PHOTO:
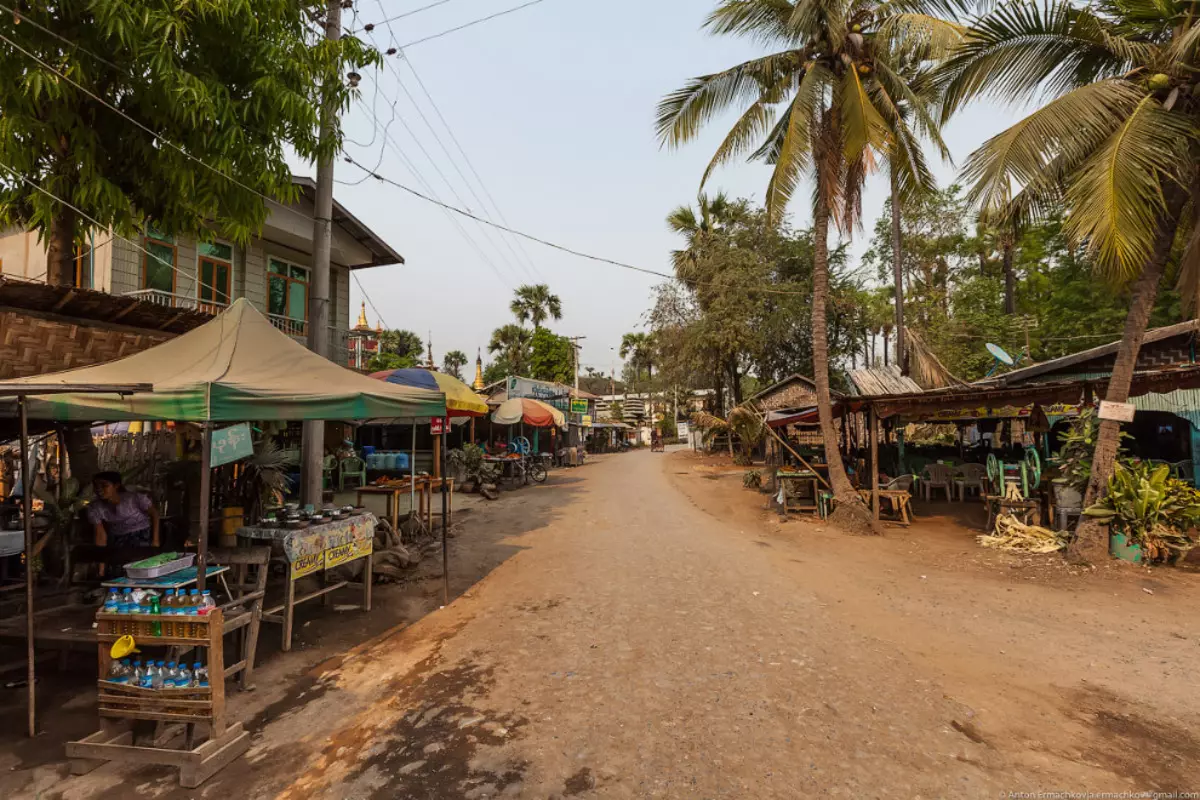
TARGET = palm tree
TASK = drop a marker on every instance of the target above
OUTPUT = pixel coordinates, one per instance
(453, 362)
(825, 104)
(638, 348)
(1114, 144)
(696, 228)
(535, 303)
(512, 344)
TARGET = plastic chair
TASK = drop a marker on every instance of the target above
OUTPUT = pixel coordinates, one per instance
(968, 477)
(937, 476)
(902, 482)
(352, 467)
(328, 464)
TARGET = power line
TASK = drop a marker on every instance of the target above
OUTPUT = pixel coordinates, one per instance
(527, 268)
(471, 24)
(532, 238)
(370, 26)
(458, 145)
(370, 302)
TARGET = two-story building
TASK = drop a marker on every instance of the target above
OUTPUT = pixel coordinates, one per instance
(273, 271)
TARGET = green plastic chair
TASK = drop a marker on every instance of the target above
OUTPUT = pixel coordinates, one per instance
(328, 465)
(352, 467)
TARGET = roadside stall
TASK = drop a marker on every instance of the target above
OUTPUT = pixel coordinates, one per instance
(234, 368)
(519, 465)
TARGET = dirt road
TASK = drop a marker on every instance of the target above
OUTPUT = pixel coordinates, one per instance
(645, 641)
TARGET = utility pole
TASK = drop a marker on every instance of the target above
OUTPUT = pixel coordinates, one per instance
(313, 441)
(576, 348)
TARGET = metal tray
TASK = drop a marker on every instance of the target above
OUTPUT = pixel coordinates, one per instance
(183, 562)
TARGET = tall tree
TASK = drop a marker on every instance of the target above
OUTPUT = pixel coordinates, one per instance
(1114, 143)
(404, 344)
(822, 104)
(551, 357)
(511, 345)
(697, 227)
(535, 303)
(227, 87)
(638, 349)
(453, 362)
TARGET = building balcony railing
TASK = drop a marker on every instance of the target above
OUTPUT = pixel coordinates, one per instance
(171, 300)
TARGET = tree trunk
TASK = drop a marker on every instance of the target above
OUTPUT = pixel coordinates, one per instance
(60, 249)
(735, 382)
(885, 348)
(897, 277)
(1090, 543)
(850, 510)
(1010, 278)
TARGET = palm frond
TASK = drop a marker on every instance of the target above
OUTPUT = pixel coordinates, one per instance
(1022, 49)
(1116, 196)
(746, 132)
(760, 20)
(920, 36)
(791, 149)
(861, 123)
(1188, 281)
(1072, 126)
(683, 112)
(827, 18)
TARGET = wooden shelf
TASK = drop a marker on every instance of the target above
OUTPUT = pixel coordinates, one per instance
(155, 641)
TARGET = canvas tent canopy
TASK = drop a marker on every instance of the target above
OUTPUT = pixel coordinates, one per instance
(236, 367)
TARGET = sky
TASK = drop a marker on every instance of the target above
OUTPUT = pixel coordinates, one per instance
(554, 107)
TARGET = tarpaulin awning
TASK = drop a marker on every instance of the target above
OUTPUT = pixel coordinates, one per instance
(461, 401)
(530, 411)
(236, 367)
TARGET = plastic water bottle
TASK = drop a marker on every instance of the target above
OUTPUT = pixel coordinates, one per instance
(199, 675)
(207, 603)
(158, 677)
(147, 679)
(171, 677)
(135, 677)
(118, 671)
(192, 610)
(168, 608)
(112, 602)
(184, 681)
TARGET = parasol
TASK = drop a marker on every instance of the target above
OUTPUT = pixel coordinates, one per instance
(461, 401)
(531, 412)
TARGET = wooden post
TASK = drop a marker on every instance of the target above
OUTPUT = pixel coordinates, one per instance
(205, 500)
(27, 509)
(445, 530)
(872, 422)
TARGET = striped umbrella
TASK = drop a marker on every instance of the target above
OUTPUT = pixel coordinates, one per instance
(460, 400)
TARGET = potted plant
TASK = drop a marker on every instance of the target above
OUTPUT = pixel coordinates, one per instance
(263, 479)
(1150, 514)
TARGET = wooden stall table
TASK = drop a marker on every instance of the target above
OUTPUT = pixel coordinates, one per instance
(393, 492)
(316, 548)
(799, 479)
(900, 499)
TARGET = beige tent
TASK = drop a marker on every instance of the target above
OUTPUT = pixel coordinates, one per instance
(236, 367)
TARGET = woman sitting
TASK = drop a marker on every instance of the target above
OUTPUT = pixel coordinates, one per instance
(121, 518)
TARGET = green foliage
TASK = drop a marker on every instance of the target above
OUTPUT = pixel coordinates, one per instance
(536, 304)
(512, 346)
(234, 85)
(469, 461)
(405, 344)
(494, 372)
(389, 361)
(263, 478)
(453, 362)
(1149, 506)
(551, 357)
(752, 479)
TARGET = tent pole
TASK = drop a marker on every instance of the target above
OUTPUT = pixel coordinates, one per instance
(412, 479)
(445, 541)
(872, 421)
(27, 503)
(205, 500)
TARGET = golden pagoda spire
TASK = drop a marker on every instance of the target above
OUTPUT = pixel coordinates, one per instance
(362, 323)
(430, 356)
(478, 386)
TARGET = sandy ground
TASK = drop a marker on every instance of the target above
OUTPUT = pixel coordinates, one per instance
(647, 629)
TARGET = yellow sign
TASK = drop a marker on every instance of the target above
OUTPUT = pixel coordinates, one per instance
(586, 421)
(348, 552)
(307, 565)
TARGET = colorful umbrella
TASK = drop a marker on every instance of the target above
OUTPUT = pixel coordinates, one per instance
(460, 400)
(531, 412)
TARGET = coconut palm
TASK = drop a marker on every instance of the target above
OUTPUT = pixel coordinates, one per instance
(638, 348)
(825, 103)
(513, 345)
(1114, 144)
(534, 303)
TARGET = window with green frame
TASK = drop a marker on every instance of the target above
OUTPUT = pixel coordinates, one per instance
(158, 263)
(287, 290)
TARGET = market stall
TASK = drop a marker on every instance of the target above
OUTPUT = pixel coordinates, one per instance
(234, 368)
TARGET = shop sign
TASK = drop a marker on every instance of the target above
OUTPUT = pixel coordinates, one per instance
(549, 393)
(579, 406)
(231, 444)
(308, 564)
(437, 426)
(348, 552)
(587, 421)
(1118, 412)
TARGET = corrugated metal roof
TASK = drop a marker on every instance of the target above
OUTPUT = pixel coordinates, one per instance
(882, 380)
